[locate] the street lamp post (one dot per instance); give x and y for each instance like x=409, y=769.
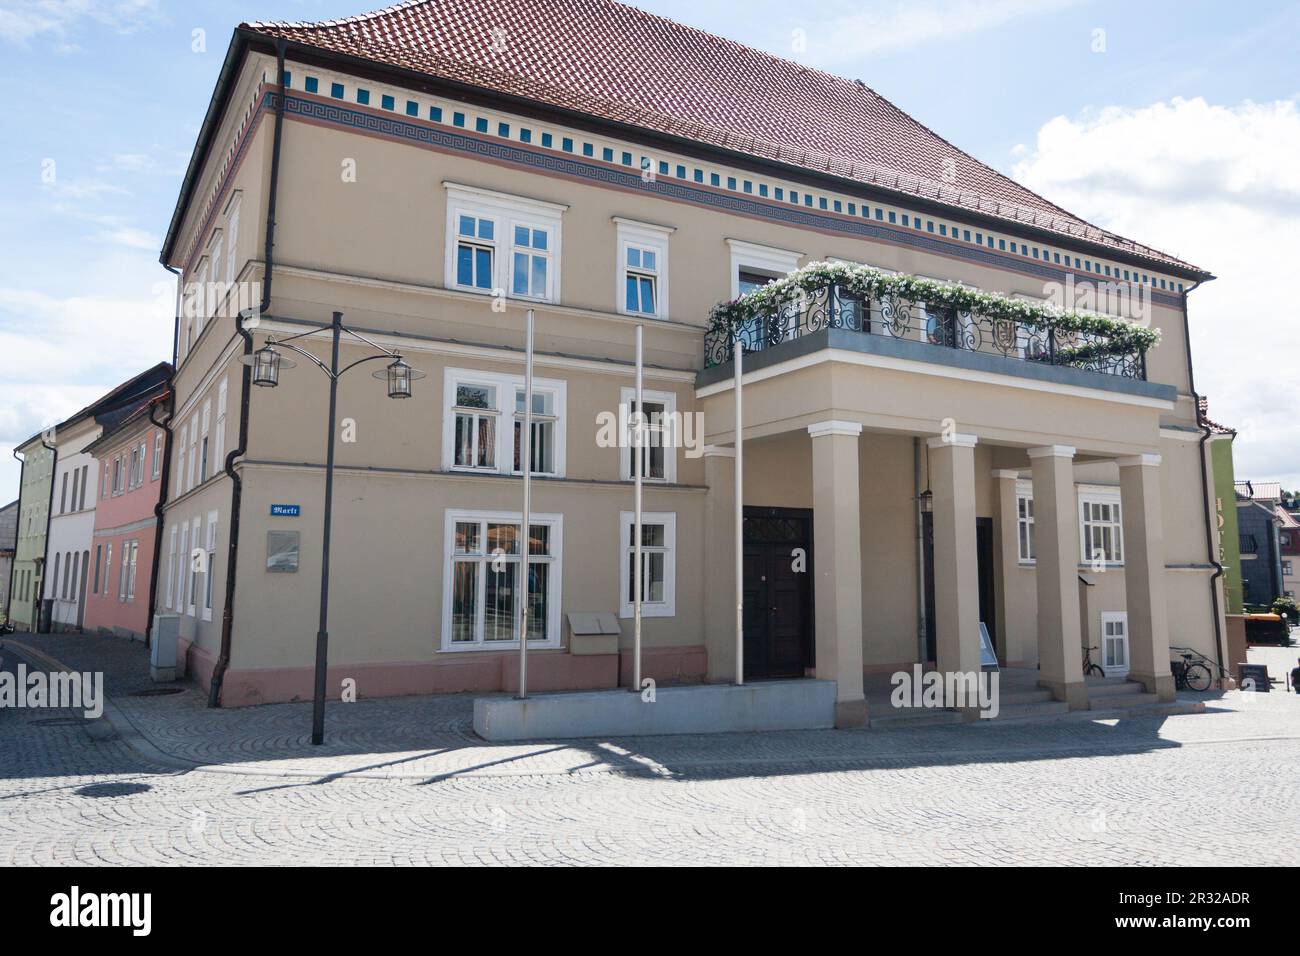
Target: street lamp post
x=266, y=363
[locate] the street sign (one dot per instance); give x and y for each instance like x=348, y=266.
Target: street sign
x=286, y=511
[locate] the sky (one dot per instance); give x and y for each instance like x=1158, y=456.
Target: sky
x=1168, y=121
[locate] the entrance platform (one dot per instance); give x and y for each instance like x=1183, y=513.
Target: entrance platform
x=805, y=704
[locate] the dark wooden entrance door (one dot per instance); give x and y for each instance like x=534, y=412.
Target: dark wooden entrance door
x=778, y=592
x=984, y=564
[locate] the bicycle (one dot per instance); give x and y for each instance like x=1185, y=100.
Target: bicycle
x=1089, y=668
x=1191, y=674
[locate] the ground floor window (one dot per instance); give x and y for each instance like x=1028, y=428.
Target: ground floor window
x=658, y=563
x=1114, y=643
x=483, y=580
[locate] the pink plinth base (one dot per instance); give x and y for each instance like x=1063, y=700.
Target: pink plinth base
x=449, y=674
x=666, y=665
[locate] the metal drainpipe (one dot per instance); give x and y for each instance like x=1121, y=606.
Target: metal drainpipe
x=1205, y=482
x=13, y=565
x=45, y=555
x=165, y=476
x=920, y=551
x=237, y=485
x=159, y=506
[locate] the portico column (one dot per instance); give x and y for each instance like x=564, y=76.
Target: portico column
x=837, y=562
x=1144, y=574
x=1056, y=537
x=956, y=567
x=720, y=562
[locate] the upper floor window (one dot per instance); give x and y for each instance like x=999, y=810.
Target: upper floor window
x=530, y=266
x=642, y=276
x=496, y=241
x=476, y=438
x=232, y=226
x=157, y=456
x=475, y=252
x=1025, y=528
x=659, y=457
x=1101, y=536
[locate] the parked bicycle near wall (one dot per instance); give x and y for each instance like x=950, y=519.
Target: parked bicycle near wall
x=1191, y=674
x=1089, y=668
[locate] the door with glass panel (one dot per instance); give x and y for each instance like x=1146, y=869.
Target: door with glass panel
x=1114, y=643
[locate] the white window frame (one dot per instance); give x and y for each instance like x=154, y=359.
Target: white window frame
x=219, y=435
x=506, y=212
x=193, y=462
x=752, y=256
x=644, y=236
x=201, y=297
x=182, y=449
x=171, y=569
x=1108, y=617
x=554, y=579
x=1025, y=519
x=667, y=607
x=506, y=387
x=627, y=397
x=192, y=576
x=204, y=440
x=1101, y=495
x=216, y=259
x=210, y=550
x=232, y=226
x=156, y=468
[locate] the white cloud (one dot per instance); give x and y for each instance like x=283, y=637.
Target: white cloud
x=1217, y=185
x=64, y=352
x=22, y=20
x=904, y=24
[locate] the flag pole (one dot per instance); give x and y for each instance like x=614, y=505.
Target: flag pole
x=737, y=351
x=638, y=454
x=526, y=466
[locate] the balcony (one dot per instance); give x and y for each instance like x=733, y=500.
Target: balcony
x=826, y=317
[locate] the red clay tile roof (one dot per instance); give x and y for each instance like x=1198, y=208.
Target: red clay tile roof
x=1203, y=409
x=622, y=64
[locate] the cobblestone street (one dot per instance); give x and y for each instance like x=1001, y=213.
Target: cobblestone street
x=405, y=781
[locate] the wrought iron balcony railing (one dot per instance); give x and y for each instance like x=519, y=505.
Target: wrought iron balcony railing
x=944, y=327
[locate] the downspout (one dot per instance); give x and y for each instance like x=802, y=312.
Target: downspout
x=13, y=565
x=45, y=555
x=920, y=550
x=160, y=505
x=165, y=477
x=1205, y=483
x=246, y=378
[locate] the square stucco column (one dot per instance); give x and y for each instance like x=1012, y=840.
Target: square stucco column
x=1056, y=545
x=1144, y=574
x=837, y=562
x=1015, y=610
x=720, y=562
x=956, y=565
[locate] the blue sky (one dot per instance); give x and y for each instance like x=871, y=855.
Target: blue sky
x=1167, y=121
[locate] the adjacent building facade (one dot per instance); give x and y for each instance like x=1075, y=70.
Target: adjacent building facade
x=8, y=547
x=1260, y=526
x=37, y=478
x=1220, y=441
x=129, y=459
x=59, y=491
x=910, y=471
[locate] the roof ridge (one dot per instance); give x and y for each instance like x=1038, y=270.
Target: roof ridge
x=866, y=138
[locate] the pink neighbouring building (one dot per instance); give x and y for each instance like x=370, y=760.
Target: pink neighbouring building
x=131, y=455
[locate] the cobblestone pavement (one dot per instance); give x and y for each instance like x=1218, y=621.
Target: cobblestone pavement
x=405, y=781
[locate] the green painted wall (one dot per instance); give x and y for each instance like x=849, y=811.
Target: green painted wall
x=1226, y=505
x=33, y=514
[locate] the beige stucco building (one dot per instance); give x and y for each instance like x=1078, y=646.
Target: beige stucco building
x=432, y=183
